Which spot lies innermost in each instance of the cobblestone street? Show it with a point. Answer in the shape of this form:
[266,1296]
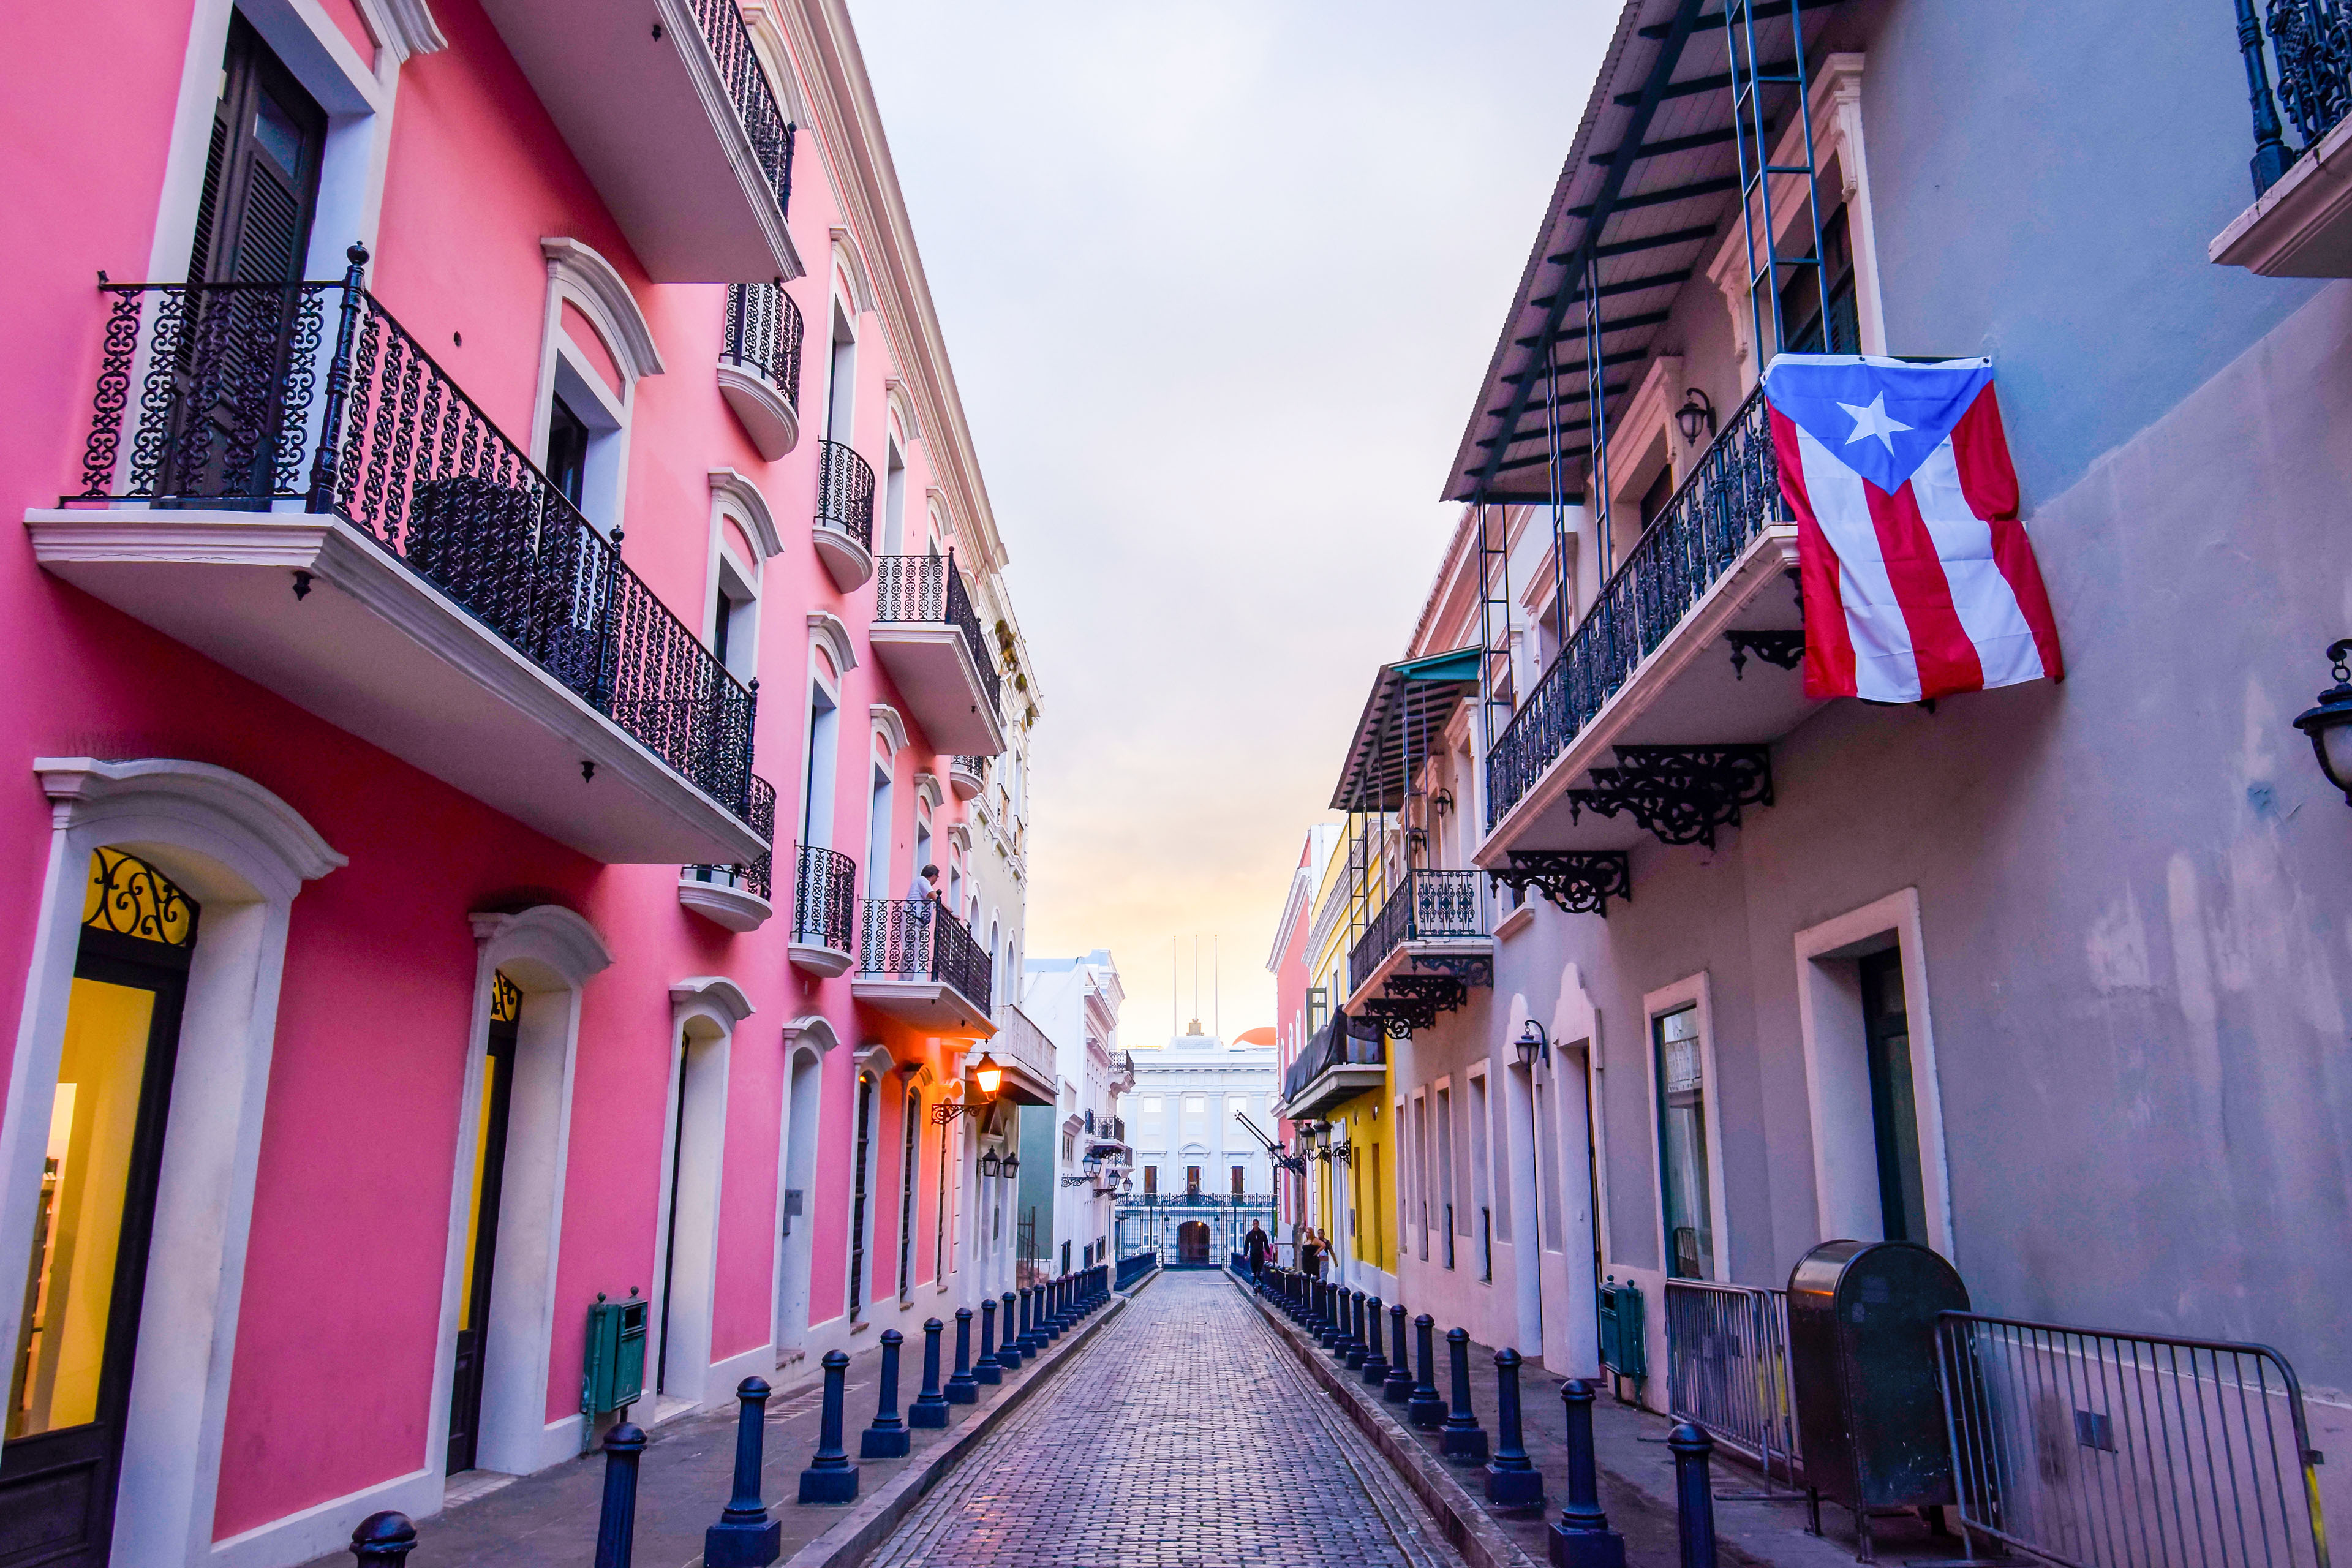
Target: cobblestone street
[1186,1437]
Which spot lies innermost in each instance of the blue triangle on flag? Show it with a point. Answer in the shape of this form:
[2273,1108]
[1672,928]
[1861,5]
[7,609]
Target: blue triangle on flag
[1881,417]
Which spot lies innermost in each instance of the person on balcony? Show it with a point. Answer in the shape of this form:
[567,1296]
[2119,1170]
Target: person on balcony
[1254,1247]
[922,898]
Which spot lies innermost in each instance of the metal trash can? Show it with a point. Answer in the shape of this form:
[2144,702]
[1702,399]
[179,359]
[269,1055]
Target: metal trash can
[1862,1353]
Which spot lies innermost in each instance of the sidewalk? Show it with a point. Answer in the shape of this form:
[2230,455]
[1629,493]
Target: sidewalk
[1636,1474]
[549,1519]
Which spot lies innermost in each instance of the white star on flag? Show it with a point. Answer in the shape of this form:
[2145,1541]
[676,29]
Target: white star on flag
[1873,420]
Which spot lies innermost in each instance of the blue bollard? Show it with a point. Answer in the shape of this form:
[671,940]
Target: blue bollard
[1582,1538]
[745,1537]
[1512,1480]
[931,1407]
[616,1522]
[1397,1387]
[963,1387]
[1376,1362]
[1008,1350]
[1425,1408]
[887,1436]
[1694,1495]
[384,1541]
[1463,1440]
[988,1369]
[831,1478]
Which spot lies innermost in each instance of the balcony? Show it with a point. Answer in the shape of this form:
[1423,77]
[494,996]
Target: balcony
[279,477]
[1027,1057]
[737,897]
[760,367]
[1334,1068]
[842,531]
[928,637]
[1432,925]
[2300,225]
[967,775]
[669,111]
[824,911]
[1683,668]
[918,963]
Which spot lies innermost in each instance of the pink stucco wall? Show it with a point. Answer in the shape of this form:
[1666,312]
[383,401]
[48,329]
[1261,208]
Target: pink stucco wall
[343,1283]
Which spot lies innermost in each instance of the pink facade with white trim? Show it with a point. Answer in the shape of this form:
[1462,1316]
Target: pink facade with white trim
[294,1367]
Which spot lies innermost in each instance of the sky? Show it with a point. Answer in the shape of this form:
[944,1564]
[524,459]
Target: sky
[1219,280]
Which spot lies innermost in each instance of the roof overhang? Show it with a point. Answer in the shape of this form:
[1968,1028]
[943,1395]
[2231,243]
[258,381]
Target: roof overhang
[1411,704]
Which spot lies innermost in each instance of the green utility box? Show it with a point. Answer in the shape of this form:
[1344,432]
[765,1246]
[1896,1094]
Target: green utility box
[615,1377]
[1624,1348]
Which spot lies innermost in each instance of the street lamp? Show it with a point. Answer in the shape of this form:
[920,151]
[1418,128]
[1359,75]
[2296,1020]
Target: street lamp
[989,1075]
[2329,725]
[1533,1043]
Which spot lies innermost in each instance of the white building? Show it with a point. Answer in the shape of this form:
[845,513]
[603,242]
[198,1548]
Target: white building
[1074,1160]
[1185,1115]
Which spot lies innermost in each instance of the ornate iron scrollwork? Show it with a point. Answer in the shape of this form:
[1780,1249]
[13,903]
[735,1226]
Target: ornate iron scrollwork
[1441,992]
[1681,793]
[127,897]
[1577,882]
[506,999]
[1786,649]
[1400,1015]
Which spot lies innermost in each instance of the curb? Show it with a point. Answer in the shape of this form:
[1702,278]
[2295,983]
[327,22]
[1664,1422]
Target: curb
[1465,1525]
[871,1521]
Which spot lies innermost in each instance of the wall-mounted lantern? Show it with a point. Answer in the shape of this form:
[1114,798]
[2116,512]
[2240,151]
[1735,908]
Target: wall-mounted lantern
[1696,415]
[2329,725]
[1532,1044]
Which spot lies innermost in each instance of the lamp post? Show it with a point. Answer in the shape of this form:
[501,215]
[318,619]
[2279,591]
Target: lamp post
[2329,725]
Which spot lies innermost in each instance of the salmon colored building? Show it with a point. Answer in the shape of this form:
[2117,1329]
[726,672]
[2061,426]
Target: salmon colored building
[480,717]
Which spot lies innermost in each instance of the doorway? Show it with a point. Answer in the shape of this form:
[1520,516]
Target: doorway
[482,1225]
[69,1382]
[1192,1244]
[688,1260]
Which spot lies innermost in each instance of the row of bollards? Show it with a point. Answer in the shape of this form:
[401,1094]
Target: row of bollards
[1347,1324]
[745,1536]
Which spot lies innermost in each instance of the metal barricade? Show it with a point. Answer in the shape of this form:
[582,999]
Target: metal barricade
[1728,1370]
[2095,1449]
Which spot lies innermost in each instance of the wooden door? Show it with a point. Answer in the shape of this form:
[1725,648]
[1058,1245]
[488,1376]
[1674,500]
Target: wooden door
[482,1225]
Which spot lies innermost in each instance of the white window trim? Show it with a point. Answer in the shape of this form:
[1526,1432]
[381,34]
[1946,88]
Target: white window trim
[705,1009]
[1847,1203]
[734,498]
[243,853]
[807,1041]
[1655,1003]
[578,276]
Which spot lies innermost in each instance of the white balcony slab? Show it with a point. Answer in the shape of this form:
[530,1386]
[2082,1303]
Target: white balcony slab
[926,1003]
[850,563]
[724,902]
[378,652]
[967,782]
[1021,1049]
[2301,226]
[639,99]
[932,667]
[815,958]
[1334,1087]
[767,416]
[1686,693]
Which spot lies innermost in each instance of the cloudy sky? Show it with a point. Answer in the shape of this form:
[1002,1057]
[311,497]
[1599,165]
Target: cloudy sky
[1219,278]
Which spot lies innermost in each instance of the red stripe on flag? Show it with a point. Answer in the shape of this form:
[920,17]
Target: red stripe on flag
[1829,649]
[1939,645]
[1989,483]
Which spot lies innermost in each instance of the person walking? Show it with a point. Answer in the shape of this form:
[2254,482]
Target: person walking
[1310,1254]
[1254,1247]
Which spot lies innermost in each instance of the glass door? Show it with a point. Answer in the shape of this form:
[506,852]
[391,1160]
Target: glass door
[69,1382]
[482,1225]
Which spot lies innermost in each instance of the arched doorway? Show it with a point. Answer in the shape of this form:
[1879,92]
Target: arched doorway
[1193,1242]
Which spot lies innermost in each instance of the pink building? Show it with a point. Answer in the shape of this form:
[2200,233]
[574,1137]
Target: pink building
[481,717]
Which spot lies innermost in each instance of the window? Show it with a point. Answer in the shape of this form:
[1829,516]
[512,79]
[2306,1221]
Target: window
[1654,499]
[1801,296]
[1318,1009]
[567,452]
[857,1195]
[909,1158]
[262,178]
[1150,1181]
[1894,1113]
[841,389]
[1445,1166]
[1682,1145]
[1152,1105]
[894,501]
[1240,1174]
[1481,1182]
[1192,1181]
[1195,1105]
[816,783]
[878,827]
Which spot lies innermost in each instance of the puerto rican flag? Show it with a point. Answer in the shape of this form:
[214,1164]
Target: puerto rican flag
[1918,578]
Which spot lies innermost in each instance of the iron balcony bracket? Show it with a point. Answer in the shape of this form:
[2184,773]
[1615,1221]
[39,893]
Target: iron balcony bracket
[1785,649]
[1469,969]
[1681,793]
[1443,993]
[1578,883]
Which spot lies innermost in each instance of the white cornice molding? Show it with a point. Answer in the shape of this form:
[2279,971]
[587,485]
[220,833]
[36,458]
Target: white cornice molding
[928,791]
[600,291]
[711,994]
[405,29]
[816,1028]
[561,938]
[895,390]
[826,627]
[727,485]
[81,788]
[852,258]
[886,719]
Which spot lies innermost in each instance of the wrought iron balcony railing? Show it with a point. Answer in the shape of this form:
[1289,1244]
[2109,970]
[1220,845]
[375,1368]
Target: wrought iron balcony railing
[237,394]
[976,767]
[915,939]
[1340,1048]
[747,85]
[2310,45]
[1730,498]
[763,333]
[928,588]
[824,899]
[1429,906]
[844,492]
[756,877]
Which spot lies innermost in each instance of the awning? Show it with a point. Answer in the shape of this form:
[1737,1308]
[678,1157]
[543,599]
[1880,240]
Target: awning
[1409,707]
